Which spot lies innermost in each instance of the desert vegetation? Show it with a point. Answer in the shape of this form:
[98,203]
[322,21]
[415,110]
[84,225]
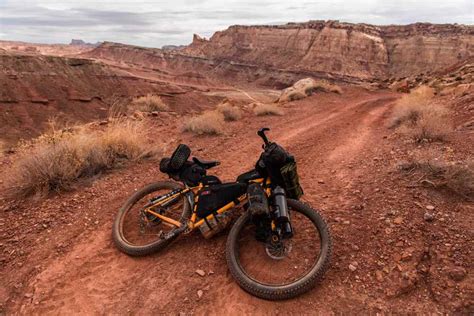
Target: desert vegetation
[455,176]
[57,160]
[149,103]
[306,87]
[418,115]
[262,109]
[230,111]
[210,123]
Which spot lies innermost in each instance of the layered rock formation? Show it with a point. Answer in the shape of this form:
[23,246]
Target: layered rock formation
[342,49]
[36,88]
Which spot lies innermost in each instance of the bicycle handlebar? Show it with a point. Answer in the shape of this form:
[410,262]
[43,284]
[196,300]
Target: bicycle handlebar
[261,133]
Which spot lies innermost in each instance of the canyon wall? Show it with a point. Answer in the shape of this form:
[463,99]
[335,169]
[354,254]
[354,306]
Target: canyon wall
[341,49]
[35,89]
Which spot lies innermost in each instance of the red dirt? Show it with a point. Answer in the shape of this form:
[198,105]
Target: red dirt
[57,256]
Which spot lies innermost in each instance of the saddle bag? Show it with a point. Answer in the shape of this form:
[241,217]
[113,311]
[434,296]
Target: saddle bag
[213,197]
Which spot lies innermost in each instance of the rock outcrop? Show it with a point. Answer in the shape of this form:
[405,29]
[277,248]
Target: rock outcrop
[37,88]
[342,49]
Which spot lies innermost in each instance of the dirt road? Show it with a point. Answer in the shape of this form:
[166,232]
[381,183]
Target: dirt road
[69,264]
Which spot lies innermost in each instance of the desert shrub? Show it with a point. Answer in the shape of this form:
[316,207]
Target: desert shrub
[267,109]
[211,123]
[149,103]
[456,177]
[57,161]
[420,116]
[230,112]
[118,107]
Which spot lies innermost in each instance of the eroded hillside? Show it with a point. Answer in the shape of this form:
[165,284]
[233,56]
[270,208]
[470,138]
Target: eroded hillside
[342,49]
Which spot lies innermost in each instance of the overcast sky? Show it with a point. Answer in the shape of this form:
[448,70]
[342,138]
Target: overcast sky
[156,23]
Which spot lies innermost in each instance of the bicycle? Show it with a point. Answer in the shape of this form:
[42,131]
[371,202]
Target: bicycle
[269,250]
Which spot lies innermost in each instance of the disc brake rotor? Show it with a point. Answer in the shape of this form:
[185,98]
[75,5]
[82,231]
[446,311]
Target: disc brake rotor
[279,250]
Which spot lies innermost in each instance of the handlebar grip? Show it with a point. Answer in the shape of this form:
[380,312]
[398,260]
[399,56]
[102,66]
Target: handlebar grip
[261,133]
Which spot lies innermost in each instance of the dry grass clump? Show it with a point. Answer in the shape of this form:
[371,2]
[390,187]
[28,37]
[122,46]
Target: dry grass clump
[149,103]
[57,161]
[419,116]
[230,112]
[456,177]
[262,109]
[211,123]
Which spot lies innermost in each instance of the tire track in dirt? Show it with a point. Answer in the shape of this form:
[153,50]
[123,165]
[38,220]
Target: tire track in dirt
[94,278]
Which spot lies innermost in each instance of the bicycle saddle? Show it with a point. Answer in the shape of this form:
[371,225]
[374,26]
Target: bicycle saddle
[206,164]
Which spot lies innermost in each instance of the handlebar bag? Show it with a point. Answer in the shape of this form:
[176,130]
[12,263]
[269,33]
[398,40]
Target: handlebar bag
[271,161]
[275,162]
[211,198]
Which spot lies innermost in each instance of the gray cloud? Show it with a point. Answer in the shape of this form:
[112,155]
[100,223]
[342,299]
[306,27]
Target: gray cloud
[159,22]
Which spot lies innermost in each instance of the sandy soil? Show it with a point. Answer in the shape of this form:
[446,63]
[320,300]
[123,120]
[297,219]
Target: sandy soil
[57,256]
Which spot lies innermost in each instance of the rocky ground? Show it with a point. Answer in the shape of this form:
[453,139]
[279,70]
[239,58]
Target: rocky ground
[398,246]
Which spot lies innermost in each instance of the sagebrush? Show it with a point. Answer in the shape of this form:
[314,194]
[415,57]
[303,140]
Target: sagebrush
[149,103]
[456,177]
[267,109]
[230,112]
[57,161]
[417,114]
[211,123]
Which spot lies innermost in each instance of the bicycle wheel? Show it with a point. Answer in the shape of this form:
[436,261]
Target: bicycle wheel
[138,233]
[285,270]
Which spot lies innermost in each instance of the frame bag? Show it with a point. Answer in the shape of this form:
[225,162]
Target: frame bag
[213,197]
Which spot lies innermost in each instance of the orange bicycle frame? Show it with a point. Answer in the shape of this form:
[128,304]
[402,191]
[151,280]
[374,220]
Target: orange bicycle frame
[193,222]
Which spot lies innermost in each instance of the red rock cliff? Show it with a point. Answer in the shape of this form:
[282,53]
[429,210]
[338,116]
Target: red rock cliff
[359,50]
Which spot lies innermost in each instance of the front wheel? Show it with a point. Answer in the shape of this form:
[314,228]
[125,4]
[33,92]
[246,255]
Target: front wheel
[286,271]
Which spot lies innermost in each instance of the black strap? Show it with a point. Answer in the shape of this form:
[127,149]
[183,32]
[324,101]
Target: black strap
[208,225]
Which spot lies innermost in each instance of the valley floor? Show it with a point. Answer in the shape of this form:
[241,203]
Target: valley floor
[57,256]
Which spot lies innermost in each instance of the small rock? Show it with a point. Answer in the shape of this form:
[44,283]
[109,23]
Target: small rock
[379,275]
[200,272]
[29,295]
[457,273]
[155,113]
[429,217]
[321,181]
[200,293]
[352,267]
[346,222]
[430,207]
[398,220]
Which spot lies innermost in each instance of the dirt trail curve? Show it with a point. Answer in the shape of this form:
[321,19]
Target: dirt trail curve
[331,136]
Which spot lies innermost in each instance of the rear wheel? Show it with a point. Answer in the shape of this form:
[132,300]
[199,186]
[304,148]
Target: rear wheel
[138,233]
[280,270]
